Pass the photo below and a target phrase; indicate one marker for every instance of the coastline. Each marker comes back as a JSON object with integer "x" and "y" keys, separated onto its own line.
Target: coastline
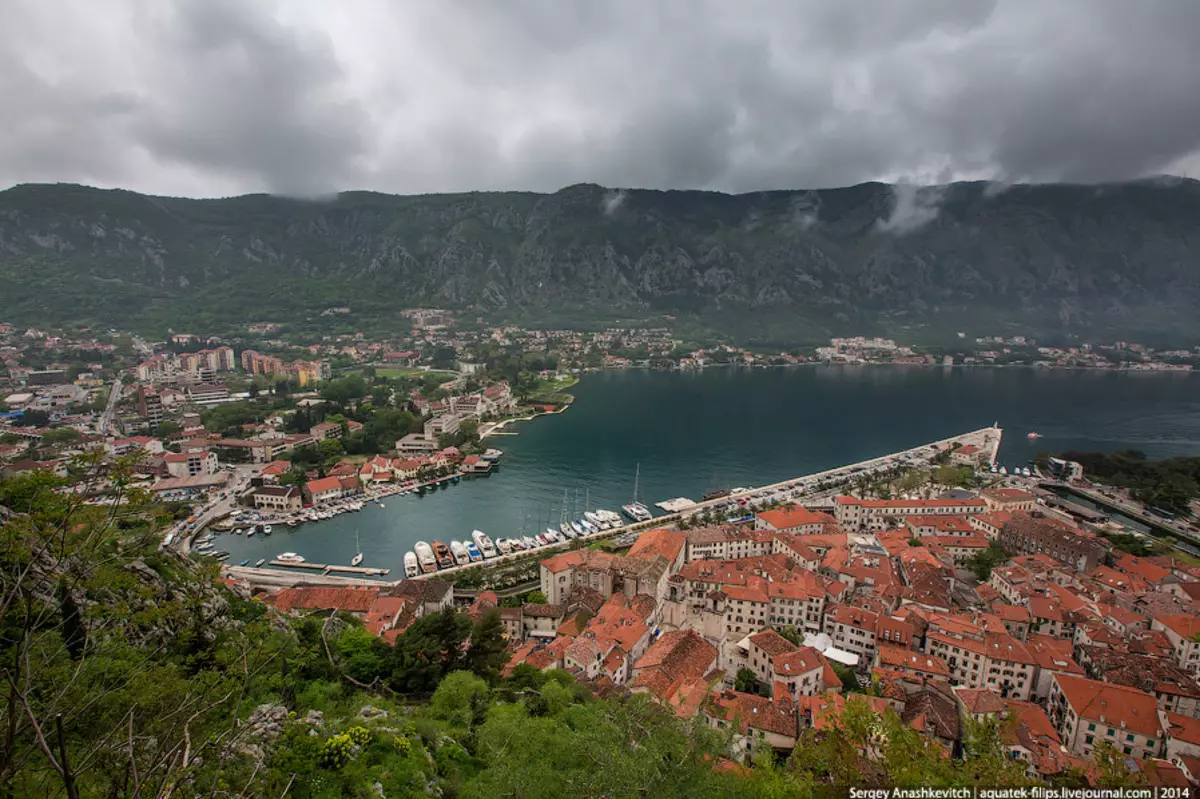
{"x": 496, "y": 428}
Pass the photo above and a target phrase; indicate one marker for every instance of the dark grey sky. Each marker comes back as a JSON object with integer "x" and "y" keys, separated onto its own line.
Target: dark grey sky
{"x": 215, "y": 97}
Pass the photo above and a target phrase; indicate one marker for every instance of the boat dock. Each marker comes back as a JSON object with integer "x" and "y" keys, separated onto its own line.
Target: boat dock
{"x": 675, "y": 505}
{"x": 326, "y": 568}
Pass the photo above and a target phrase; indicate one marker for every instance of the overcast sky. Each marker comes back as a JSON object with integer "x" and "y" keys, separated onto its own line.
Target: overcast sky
{"x": 218, "y": 97}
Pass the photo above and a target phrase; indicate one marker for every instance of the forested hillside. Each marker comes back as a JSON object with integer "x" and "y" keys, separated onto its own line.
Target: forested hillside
{"x": 1118, "y": 258}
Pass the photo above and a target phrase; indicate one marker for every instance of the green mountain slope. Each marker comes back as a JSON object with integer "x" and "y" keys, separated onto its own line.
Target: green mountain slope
{"x": 1114, "y": 258}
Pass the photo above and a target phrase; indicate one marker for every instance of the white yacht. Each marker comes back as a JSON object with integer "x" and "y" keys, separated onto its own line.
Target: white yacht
{"x": 289, "y": 557}
{"x": 460, "y": 553}
{"x": 529, "y": 543}
{"x": 484, "y": 543}
{"x": 411, "y": 568}
{"x": 504, "y": 546}
{"x": 425, "y": 558}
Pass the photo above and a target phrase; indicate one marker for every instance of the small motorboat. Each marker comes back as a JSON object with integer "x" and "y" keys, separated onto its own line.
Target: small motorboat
{"x": 1033, "y": 435}
{"x": 244, "y": 562}
{"x": 411, "y": 567}
{"x": 258, "y": 563}
{"x": 289, "y": 557}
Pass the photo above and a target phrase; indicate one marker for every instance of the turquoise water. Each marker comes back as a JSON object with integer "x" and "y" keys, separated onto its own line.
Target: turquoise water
{"x": 692, "y": 431}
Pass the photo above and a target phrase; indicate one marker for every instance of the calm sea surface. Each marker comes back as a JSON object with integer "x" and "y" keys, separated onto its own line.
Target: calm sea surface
{"x": 728, "y": 427}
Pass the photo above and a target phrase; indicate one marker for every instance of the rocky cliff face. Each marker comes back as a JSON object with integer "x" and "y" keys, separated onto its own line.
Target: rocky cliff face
{"x": 1120, "y": 257}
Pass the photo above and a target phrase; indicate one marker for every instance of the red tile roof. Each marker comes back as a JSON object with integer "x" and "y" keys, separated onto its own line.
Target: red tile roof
{"x": 1185, "y": 626}
{"x": 668, "y": 543}
{"x": 772, "y": 643}
{"x": 322, "y": 485}
{"x": 1119, "y": 706}
{"x": 352, "y": 599}
{"x": 794, "y": 516}
{"x": 1183, "y": 728}
{"x": 893, "y": 657}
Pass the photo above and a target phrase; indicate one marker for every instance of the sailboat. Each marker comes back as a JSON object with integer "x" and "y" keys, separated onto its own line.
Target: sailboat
{"x": 358, "y": 558}
{"x": 636, "y": 510}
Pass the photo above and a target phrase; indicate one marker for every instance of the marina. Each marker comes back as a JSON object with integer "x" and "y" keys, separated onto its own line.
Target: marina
{"x": 834, "y": 416}
{"x": 441, "y": 559}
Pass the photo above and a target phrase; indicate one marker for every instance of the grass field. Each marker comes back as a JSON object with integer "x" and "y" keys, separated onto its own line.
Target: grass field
{"x": 553, "y": 390}
{"x": 392, "y": 372}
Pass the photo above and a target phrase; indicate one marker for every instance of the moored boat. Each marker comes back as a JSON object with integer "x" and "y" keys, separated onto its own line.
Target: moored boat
{"x": 289, "y": 557}
{"x": 484, "y": 543}
{"x": 411, "y": 567}
{"x": 529, "y": 542}
{"x": 425, "y": 556}
{"x": 503, "y": 546}
{"x": 460, "y": 553}
{"x": 474, "y": 552}
{"x": 258, "y": 563}
{"x": 442, "y": 552}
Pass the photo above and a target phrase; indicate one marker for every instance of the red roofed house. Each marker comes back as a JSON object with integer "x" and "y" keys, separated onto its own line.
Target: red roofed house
{"x": 917, "y": 664}
{"x": 873, "y": 515}
{"x": 351, "y": 599}
{"x": 921, "y": 526}
{"x": 671, "y": 544}
{"x": 756, "y": 718}
{"x": 1184, "y": 635}
{"x": 325, "y": 489}
{"x": 673, "y": 670}
{"x": 190, "y": 464}
{"x": 793, "y": 519}
{"x": 1008, "y": 499}
{"x": 1087, "y": 712}
{"x": 966, "y": 455}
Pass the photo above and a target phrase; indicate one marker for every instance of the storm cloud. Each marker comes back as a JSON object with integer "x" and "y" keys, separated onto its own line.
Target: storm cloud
{"x": 305, "y": 97}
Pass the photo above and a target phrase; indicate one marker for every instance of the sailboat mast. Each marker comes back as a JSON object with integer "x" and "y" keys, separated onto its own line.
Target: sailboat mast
{"x": 637, "y": 475}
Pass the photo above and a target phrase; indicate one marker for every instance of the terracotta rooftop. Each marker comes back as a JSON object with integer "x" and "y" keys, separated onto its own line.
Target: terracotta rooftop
{"x": 794, "y": 516}
{"x": 772, "y": 643}
{"x": 1183, "y": 728}
{"x": 754, "y": 712}
{"x": 893, "y": 657}
{"x": 900, "y": 504}
{"x": 1116, "y": 705}
{"x": 351, "y": 599}
{"x": 1185, "y": 626}
{"x": 667, "y": 543}
{"x": 980, "y": 700}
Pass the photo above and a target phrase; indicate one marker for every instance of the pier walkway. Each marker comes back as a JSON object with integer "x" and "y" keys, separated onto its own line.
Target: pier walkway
{"x": 328, "y": 568}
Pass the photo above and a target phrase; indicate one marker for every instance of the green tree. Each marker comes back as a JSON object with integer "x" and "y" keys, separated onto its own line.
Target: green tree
{"x": 535, "y": 597}
{"x": 983, "y": 563}
{"x": 429, "y": 650}
{"x": 330, "y": 449}
{"x": 461, "y": 699}
{"x": 746, "y": 681}
{"x": 487, "y": 654}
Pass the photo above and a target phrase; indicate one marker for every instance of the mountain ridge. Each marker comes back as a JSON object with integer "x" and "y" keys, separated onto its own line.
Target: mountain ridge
{"x": 1071, "y": 258}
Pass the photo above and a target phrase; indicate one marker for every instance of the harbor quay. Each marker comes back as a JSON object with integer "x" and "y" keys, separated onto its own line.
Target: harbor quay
{"x": 812, "y": 488}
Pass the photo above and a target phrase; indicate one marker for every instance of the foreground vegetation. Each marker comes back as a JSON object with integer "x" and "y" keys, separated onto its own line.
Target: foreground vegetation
{"x": 1169, "y": 484}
